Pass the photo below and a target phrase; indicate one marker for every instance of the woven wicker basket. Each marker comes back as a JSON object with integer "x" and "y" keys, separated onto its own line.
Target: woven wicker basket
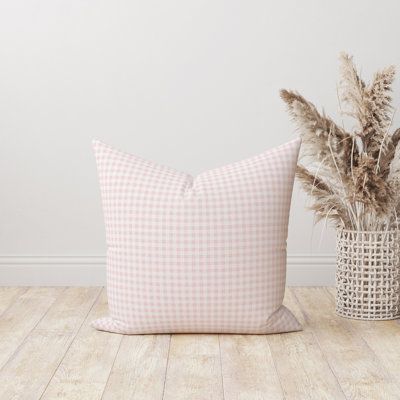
{"x": 368, "y": 273}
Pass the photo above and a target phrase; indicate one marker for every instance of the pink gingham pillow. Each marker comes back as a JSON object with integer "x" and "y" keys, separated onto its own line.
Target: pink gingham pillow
{"x": 203, "y": 254}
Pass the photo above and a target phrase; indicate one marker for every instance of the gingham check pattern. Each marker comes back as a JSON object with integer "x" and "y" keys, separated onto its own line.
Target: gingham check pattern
{"x": 204, "y": 254}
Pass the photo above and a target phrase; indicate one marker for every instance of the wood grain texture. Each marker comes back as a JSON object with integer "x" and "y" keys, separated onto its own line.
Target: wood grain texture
{"x": 139, "y": 368}
{"x": 300, "y": 357}
{"x": 383, "y": 337}
{"x": 84, "y": 371}
{"x": 18, "y": 320}
{"x": 8, "y": 295}
{"x": 248, "y": 368}
{"x": 49, "y": 351}
{"x": 28, "y": 372}
{"x": 359, "y": 372}
{"x": 194, "y": 368}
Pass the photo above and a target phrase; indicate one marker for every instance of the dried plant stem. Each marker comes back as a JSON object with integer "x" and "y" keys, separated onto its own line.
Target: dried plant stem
{"x": 353, "y": 177}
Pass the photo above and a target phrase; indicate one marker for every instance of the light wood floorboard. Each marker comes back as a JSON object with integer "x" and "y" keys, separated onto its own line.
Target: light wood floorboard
{"x": 301, "y": 364}
{"x": 139, "y": 368}
{"x": 194, "y": 368}
{"x": 248, "y": 368}
{"x": 8, "y": 295}
{"x": 360, "y": 373}
{"x": 383, "y": 337}
{"x": 36, "y": 360}
{"x": 83, "y": 373}
{"x": 21, "y": 317}
{"x": 48, "y": 350}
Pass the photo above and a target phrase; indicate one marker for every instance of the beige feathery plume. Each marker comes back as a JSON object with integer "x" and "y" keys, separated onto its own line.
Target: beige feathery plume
{"x": 387, "y": 157}
{"x": 352, "y": 91}
{"x": 394, "y": 175}
{"x": 352, "y": 177}
{"x": 370, "y": 189}
{"x": 326, "y": 203}
{"x": 369, "y": 105}
{"x": 321, "y": 136}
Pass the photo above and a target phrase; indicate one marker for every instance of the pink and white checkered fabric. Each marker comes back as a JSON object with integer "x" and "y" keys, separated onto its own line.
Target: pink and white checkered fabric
{"x": 204, "y": 254}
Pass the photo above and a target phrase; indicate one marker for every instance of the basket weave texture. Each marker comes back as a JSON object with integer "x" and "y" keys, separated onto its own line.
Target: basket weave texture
{"x": 368, "y": 274}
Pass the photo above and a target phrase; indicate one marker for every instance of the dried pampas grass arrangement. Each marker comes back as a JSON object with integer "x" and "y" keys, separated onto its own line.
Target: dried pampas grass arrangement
{"x": 353, "y": 176}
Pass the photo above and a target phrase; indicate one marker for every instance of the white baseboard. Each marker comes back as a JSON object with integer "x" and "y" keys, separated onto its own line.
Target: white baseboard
{"x": 302, "y": 270}
{"x": 311, "y": 269}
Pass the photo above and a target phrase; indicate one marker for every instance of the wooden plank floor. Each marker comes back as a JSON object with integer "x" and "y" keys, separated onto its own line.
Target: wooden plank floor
{"x": 49, "y": 351}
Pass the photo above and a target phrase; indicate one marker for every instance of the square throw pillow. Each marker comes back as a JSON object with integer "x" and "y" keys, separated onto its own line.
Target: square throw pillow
{"x": 204, "y": 254}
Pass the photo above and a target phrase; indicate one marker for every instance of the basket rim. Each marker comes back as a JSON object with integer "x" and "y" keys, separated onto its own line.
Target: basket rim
{"x": 343, "y": 230}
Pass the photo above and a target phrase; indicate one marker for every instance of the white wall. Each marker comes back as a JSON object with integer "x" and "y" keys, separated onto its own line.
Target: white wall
{"x": 191, "y": 84}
